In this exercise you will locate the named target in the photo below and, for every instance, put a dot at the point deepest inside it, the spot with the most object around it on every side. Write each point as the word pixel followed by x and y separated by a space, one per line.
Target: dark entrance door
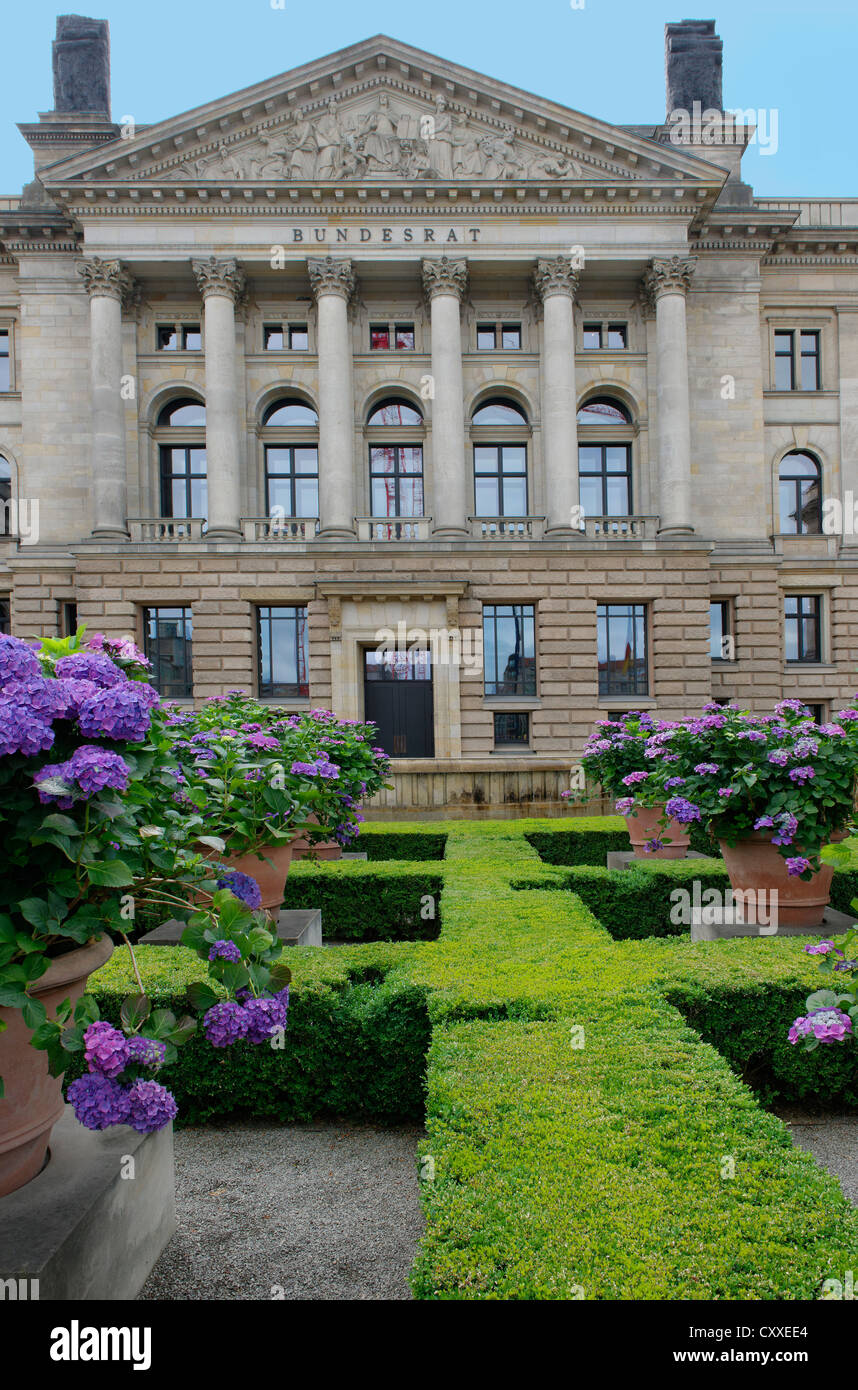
pixel 398 698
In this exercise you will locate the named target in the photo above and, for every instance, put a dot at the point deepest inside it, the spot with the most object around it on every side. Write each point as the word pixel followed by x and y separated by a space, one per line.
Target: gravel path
pixel 832 1139
pixel 320 1211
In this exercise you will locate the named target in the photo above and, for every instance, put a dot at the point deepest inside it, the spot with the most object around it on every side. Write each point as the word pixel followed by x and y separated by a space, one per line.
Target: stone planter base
pixel 296 926
pixel 80 1228
pixel 625 858
pixel 721 924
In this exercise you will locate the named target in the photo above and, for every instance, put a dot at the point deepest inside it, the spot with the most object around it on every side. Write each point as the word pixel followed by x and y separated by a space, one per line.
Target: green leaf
pixel 281 975
pixel 213 841
pixel 62 823
pixel 183 1031
pixel 110 873
pixel 822 999
pixel 202 997
pixel 35 911
pixel 33 1013
pixel 134 1011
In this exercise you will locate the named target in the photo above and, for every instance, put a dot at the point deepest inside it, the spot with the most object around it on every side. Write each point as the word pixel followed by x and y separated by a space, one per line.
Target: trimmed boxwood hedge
pixel 580 1100
pixel 409 841
pixel 369 901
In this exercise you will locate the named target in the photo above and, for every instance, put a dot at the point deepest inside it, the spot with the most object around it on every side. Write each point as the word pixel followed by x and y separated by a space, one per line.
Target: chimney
pixel 81 60
pixel 692 56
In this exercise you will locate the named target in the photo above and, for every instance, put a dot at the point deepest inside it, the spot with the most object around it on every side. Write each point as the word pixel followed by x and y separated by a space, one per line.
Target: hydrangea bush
pixel 741 774
pixel 248 776
pixel 832 1014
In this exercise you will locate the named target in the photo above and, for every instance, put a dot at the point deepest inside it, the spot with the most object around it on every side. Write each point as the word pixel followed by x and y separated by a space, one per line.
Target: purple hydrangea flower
pixel 725 791
pixel 225 1023
pixel 821 949
pixel 243 887
pixel 21 730
pixel 652 845
pixel 705 769
pixel 680 809
pixel 98 1102
pixel 121 713
pixel 764 822
pixel 18 661
pixel 225 950
pixel 797 866
pixel 674 782
pixel 826 1025
pixel 787 827
pixel 633 778
pixel 151 1106
pixel 91 666
pixel 105 1048
pixel 146 1052
pixel 779 757
pixel 802 774
pixel 624 805
pixel 263 1017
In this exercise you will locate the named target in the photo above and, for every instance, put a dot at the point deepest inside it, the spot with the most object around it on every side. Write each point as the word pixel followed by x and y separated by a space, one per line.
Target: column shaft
pixel 557 281
pixel 221 284
pixel 333 284
pixel 667 282
pixel 445 282
pixel 108 283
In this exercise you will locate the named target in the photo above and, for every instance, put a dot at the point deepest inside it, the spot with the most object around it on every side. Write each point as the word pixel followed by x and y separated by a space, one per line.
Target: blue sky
pixel 606 59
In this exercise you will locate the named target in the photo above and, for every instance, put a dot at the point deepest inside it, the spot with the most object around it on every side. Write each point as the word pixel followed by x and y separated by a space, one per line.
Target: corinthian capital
pixel 670 275
pixel 445 277
pixel 556 276
pixel 110 279
pixel 330 276
pixel 223 277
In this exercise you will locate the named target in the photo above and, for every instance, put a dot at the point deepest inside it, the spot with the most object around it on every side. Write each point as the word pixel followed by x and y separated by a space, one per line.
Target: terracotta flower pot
pixel 644 827
pixel 271 876
pixel 323 849
pixel 754 863
pixel 33 1099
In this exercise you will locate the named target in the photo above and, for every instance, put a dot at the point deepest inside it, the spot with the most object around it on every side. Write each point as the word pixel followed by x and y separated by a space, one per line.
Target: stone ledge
pixel 724 924
pixel 80 1228
pixel 295 927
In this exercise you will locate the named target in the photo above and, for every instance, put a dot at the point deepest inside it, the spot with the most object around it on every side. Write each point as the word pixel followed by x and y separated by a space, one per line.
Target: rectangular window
pixel 167 643
pixel 797 360
pixel 509 649
pixel 622 649
pixel 272 337
pixel 167 338
pixel 396 479
pixel 512 730
pixel 299 338
pixel 283 653
pixel 499 337
pixel 5 360
pixel 68 620
pixel 171 337
pixel 817 713
pixel 803 627
pixel 500 479
pixel 722 643
pixel 292 479
pixel 384 337
pixel 5 616
pixel 611 336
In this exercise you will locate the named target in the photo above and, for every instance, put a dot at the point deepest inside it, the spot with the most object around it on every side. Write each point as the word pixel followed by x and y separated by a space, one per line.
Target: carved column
pixel 666 284
pixel 333 283
pixel 222 286
pixel 445 283
pixel 110 287
pixel 556 282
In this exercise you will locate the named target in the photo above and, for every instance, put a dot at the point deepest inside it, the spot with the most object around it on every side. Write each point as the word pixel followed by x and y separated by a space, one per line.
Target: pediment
pixel 379 112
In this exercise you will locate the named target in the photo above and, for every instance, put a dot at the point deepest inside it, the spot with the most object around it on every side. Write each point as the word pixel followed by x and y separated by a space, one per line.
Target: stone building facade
pixel 386 386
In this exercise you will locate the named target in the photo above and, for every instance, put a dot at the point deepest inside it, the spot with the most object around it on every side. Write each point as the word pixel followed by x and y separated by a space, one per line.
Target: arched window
pixel 395 459
pixel 180 432
pixel 394 412
pixel 800 494
pixel 5 497
pixel 605 457
pixel 290 435
pixel 500 435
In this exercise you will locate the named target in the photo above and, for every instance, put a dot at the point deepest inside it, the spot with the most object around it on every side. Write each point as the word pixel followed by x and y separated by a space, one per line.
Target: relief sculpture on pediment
pixel 379 141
